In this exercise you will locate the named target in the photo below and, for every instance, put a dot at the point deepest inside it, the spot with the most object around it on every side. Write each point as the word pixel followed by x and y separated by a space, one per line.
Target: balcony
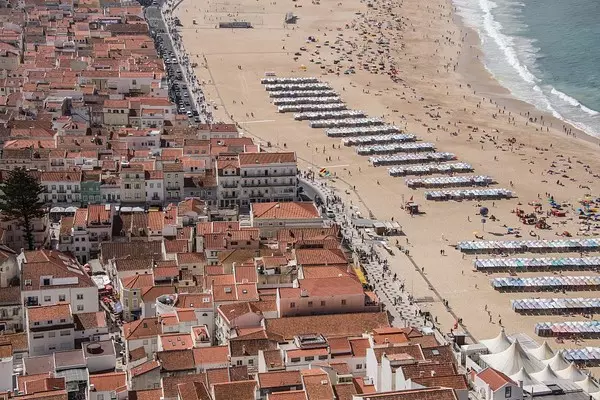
pixel 229 185
pixel 263 175
pixel 266 184
pixel 233 195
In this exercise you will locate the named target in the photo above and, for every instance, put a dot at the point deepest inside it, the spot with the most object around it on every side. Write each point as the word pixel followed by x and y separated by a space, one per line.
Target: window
pixel 323 357
pixel 295 359
pixel 62 297
pixel 15 311
pixel 79 296
pixel 309 358
pixel 238 363
pixel 50 322
pixel 250 362
pixel 344 302
pixel 145 342
pixel 508 392
pixel 36 323
pixel 62 320
pixel 51 334
pixel 292 305
pixel 79 307
pixel 38 335
pixel 65 333
pixel 358 366
pixel 47 298
pixel 310 303
pixel 322 303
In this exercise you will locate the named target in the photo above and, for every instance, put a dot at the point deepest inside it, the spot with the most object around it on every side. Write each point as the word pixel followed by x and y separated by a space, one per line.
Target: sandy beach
pixel 424 75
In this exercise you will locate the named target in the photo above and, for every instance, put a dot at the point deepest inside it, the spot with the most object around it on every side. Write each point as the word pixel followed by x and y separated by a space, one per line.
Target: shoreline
pixel 484 82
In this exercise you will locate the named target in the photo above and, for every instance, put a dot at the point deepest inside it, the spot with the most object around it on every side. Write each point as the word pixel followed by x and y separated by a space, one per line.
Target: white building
pixel 49 277
pixel 50 329
pixel 155 193
pixel 82 234
pixel 62 187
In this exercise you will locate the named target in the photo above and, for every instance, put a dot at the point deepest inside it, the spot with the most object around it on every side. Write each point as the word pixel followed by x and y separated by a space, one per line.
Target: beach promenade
pixel 415 67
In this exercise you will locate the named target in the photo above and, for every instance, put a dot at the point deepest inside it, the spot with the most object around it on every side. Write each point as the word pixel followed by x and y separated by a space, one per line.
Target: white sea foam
pixel 510 60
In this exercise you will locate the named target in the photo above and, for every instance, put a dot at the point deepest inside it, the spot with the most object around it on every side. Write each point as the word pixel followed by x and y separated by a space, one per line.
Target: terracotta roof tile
pixel 176 360
pixel 248 159
pixel 286 210
pixel 276 379
pixel 241 390
pixel 320 257
pixel 49 313
pixel 211 355
pixel 113 381
pixel 287 395
pixel 494 378
pixel 328 325
pixel 458 382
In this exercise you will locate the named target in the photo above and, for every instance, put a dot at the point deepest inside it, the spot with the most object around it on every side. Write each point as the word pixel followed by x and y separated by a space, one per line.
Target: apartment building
pixel 62 187
pixel 247 178
pixel 133 185
pixel 173 181
pixel 50 277
pixel 50 328
pixel 13 236
pixel 82 234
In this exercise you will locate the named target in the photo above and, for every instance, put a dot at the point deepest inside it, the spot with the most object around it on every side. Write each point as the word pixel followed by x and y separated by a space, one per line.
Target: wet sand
pixel 440 92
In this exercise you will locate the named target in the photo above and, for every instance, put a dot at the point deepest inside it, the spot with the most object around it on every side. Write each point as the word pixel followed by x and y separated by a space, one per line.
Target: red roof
pixel 494 378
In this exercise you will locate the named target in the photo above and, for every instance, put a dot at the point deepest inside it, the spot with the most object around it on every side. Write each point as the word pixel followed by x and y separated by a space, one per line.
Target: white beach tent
pixel 595 396
pixel 571 373
pixel 588 385
pixel 511 360
pixel 497 344
pixel 544 352
pixel 530 385
pixel 546 375
pixel 557 362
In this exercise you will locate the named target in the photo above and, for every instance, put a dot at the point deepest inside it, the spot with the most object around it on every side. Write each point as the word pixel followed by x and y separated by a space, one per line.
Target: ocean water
pixel 546 52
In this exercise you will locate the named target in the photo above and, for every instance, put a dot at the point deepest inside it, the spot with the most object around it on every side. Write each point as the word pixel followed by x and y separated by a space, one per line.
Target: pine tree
pixel 20 201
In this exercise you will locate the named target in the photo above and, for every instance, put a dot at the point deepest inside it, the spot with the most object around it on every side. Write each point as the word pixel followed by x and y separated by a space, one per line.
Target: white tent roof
pixel 571 373
pixel 530 385
pixel 523 376
pixel 595 396
pixel 511 360
pixel 546 375
pixel 544 352
pixel 497 344
pixel 557 362
pixel 588 385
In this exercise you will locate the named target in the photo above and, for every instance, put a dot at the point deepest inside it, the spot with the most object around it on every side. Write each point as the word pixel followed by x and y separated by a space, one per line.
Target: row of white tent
pixel 283 79
pixel 379 139
pixel 469 194
pixel 537 367
pixel 450 181
pixel 292 101
pixel 523 246
pixel 420 158
pixel 428 169
pixel 303 93
pixel 537 263
pixel 326 115
pixel 356 131
pixel 514 283
pixel 579 305
pixel 393 148
pixel 345 122
pixel 286 87
pixel 582 329
pixel 311 107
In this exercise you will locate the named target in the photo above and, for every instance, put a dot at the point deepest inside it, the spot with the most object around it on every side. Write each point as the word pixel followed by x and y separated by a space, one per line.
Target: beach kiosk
pixel 411 207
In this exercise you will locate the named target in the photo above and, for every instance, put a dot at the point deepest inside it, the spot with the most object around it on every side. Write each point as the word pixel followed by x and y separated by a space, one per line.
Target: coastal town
pixel 155 244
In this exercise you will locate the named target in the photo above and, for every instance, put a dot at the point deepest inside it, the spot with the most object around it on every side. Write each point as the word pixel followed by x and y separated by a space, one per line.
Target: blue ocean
pixel 546 52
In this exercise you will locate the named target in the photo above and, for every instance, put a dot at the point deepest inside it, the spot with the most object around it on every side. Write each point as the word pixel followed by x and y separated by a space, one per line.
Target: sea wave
pixel 519 54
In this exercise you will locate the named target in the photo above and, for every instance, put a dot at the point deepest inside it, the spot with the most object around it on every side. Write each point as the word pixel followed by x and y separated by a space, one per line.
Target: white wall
pixel 6 373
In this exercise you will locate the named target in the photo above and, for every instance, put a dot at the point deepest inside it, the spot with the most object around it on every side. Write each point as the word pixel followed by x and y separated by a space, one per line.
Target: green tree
pixel 20 201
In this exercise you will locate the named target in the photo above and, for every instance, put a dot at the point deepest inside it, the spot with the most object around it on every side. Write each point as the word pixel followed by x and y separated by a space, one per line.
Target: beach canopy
pixel 546 375
pixel 497 344
pixel 588 385
pixel 557 362
pixel 544 352
pixel 511 360
pixel 571 373
pixel 530 385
